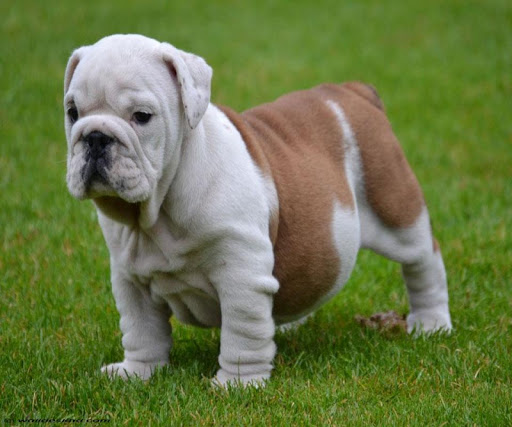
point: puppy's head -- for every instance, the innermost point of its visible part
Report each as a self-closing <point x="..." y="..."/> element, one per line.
<point x="128" y="102"/>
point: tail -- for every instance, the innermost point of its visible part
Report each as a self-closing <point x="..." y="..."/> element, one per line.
<point x="367" y="92"/>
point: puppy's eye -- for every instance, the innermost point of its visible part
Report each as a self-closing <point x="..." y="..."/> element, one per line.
<point x="141" y="118"/>
<point x="72" y="114"/>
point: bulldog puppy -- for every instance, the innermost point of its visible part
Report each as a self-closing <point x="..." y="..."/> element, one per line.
<point x="238" y="221"/>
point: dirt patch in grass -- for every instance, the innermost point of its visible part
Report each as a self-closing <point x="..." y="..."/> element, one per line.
<point x="389" y="322"/>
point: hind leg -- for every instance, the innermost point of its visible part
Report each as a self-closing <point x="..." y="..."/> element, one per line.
<point x="422" y="268"/>
<point x="392" y="214"/>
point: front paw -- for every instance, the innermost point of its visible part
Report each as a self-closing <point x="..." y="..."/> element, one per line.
<point x="128" y="368"/>
<point x="429" y="321"/>
<point x="224" y="379"/>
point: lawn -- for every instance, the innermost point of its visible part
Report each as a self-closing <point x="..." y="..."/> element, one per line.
<point x="444" y="71"/>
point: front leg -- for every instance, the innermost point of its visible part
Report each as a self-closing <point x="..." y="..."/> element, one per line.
<point x="145" y="326"/>
<point x="246" y="288"/>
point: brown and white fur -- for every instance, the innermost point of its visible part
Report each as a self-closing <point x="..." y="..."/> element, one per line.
<point x="240" y="221"/>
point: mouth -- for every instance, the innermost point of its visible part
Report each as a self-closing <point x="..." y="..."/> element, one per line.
<point x="112" y="174"/>
<point x="97" y="161"/>
<point x="102" y="164"/>
<point x="95" y="170"/>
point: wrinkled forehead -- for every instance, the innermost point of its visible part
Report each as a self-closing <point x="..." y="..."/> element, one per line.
<point x="120" y="73"/>
<point x="121" y="61"/>
<point x="123" y="49"/>
<point x="119" y="65"/>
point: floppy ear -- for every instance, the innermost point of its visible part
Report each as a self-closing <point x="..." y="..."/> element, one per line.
<point x="194" y="77"/>
<point x="75" y="58"/>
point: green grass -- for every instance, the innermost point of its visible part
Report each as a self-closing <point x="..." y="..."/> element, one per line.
<point x="444" y="71"/>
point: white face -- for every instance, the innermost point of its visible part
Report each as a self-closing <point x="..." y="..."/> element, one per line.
<point x="124" y="115"/>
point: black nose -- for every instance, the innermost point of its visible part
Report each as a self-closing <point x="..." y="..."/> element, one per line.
<point x="97" y="142"/>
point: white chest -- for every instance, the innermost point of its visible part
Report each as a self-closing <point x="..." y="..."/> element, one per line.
<point x="172" y="266"/>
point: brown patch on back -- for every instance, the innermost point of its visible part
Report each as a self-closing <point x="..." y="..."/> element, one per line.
<point x="294" y="140"/>
<point x="298" y="142"/>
